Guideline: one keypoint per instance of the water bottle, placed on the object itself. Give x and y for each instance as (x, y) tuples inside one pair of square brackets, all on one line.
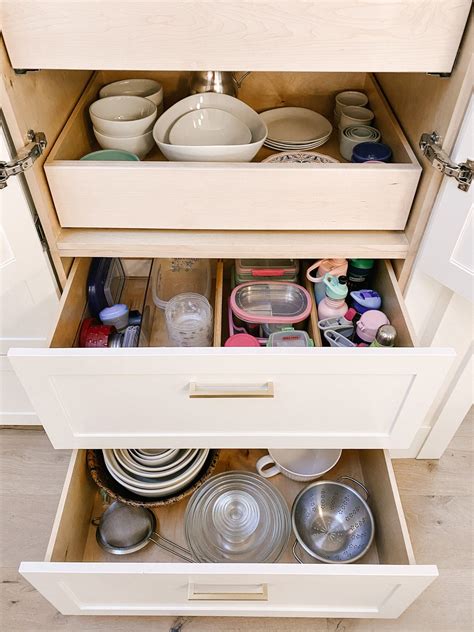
[(385, 336), (333, 304), (323, 267), (358, 274)]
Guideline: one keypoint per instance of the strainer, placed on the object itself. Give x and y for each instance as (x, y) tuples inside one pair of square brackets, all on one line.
[(124, 529), (332, 522)]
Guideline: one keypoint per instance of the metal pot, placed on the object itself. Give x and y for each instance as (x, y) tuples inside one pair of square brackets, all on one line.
[(332, 522), (215, 81)]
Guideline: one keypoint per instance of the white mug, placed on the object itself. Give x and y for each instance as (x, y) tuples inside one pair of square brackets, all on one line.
[(299, 465), (348, 97), (355, 115)]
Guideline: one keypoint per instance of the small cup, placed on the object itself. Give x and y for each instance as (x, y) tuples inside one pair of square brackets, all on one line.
[(298, 465), (355, 134), (116, 316), (346, 98), (355, 115)]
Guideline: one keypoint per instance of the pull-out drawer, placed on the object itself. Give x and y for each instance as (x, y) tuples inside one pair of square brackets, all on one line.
[(159, 396), (78, 577), (158, 194), (289, 34)]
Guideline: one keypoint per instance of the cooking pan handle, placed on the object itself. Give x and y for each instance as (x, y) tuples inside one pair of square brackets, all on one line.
[(295, 554), (354, 480), (173, 548)]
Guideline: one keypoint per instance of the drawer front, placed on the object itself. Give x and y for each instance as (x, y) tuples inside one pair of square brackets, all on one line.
[(157, 194), (264, 590), (223, 397), (327, 35), (79, 578), (230, 397)]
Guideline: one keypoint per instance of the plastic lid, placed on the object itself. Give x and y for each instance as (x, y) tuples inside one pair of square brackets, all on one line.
[(242, 340), (335, 289), (115, 311), (364, 264), (369, 323), (367, 298), (290, 338)]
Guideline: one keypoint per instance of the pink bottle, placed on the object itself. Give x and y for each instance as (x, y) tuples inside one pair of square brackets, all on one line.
[(333, 304), (323, 266)]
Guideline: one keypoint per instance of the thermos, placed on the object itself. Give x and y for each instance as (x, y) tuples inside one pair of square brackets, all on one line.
[(358, 274), (333, 304), (385, 336), (323, 267)]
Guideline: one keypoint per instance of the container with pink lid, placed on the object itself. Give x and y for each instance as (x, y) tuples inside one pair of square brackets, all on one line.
[(267, 302)]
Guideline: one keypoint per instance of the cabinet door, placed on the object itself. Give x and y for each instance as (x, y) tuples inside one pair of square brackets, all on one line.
[(447, 253)]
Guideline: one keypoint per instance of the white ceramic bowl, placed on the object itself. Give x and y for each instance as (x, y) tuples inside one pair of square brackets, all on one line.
[(123, 116), (139, 145), (346, 98), (355, 134), (217, 153), (209, 127), (355, 115), (146, 88)]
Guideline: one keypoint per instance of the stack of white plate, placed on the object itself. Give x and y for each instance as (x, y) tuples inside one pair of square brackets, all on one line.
[(295, 129), (155, 473)]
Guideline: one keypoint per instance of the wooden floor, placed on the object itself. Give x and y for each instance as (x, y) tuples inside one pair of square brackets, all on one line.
[(437, 497)]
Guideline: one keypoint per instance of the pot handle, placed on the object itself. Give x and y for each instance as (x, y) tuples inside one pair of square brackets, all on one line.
[(171, 547), (354, 480), (295, 554), (238, 82)]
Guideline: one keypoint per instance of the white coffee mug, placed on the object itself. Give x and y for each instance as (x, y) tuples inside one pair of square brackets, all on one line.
[(299, 465)]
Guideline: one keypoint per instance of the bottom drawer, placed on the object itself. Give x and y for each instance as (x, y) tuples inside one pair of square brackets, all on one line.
[(77, 577)]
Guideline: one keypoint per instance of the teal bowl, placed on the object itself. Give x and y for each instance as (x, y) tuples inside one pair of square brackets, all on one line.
[(111, 154)]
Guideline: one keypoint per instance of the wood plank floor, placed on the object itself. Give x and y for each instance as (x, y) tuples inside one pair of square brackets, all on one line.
[(437, 497)]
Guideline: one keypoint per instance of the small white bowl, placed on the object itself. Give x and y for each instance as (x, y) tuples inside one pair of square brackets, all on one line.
[(349, 97), (123, 117), (355, 115), (216, 153), (146, 88), (139, 145), (209, 127), (352, 136)]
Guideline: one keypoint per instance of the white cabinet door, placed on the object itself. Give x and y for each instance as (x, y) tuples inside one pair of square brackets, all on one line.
[(447, 250), (28, 290)]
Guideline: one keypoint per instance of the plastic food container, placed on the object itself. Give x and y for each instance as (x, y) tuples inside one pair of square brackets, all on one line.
[(93, 334), (176, 276), (290, 338), (104, 283), (189, 320), (265, 270), (270, 302), (242, 340), (116, 316)]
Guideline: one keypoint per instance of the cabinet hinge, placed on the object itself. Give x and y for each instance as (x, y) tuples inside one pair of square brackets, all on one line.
[(24, 158), (430, 144), (41, 235)]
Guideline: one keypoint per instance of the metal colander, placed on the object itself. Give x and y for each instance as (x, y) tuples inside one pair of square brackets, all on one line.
[(332, 522)]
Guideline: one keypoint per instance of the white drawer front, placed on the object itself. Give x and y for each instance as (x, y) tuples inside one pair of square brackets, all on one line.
[(328, 35), (265, 590), (142, 397)]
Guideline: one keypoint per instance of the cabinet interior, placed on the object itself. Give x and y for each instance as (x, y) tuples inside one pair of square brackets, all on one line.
[(137, 294), (74, 538), (261, 91)]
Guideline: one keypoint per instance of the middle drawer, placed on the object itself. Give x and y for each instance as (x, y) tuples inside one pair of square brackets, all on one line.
[(162, 396)]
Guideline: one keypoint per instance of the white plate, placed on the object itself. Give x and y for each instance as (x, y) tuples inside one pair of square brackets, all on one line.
[(296, 125), (299, 157), (209, 126)]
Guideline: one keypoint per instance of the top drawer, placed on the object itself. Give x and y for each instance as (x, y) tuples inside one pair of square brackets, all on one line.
[(329, 35)]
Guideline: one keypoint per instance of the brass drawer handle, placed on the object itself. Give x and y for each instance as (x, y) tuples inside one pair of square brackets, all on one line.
[(230, 390), (231, 592)]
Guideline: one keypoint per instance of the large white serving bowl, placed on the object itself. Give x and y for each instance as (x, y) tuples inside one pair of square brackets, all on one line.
[(138, 145), (209, 126), (123, 116), (215, 153), (146, 88)]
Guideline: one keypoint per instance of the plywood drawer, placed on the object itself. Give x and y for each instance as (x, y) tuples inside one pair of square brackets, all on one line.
[(377, 35), (77, 577), (212, 397), (157, 194)]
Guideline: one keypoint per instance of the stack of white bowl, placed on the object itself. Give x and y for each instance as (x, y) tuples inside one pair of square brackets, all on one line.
[(124, 115), (210, 127), (155, 473)]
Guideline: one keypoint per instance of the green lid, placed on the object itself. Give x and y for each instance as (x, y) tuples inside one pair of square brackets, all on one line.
[(336, 287), (363, 264), (111, 154)]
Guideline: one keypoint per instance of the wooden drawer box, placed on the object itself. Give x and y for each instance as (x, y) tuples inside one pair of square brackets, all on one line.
[(158, 194), (160, 396), (327, 35), (77, 577)]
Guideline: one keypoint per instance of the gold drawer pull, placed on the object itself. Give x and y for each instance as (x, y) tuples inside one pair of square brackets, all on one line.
[(231, 390), (231, 592)]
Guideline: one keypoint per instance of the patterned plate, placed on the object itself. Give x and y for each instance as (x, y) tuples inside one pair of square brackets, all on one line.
[(299, 157)]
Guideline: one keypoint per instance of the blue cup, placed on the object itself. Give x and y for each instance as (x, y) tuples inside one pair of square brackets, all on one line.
[(371, 151)]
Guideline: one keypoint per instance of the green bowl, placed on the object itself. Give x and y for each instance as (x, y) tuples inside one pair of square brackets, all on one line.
[(111, 154)]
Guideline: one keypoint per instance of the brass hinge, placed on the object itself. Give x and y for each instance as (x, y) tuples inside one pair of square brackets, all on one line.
[(430, 144), (24, 158)]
